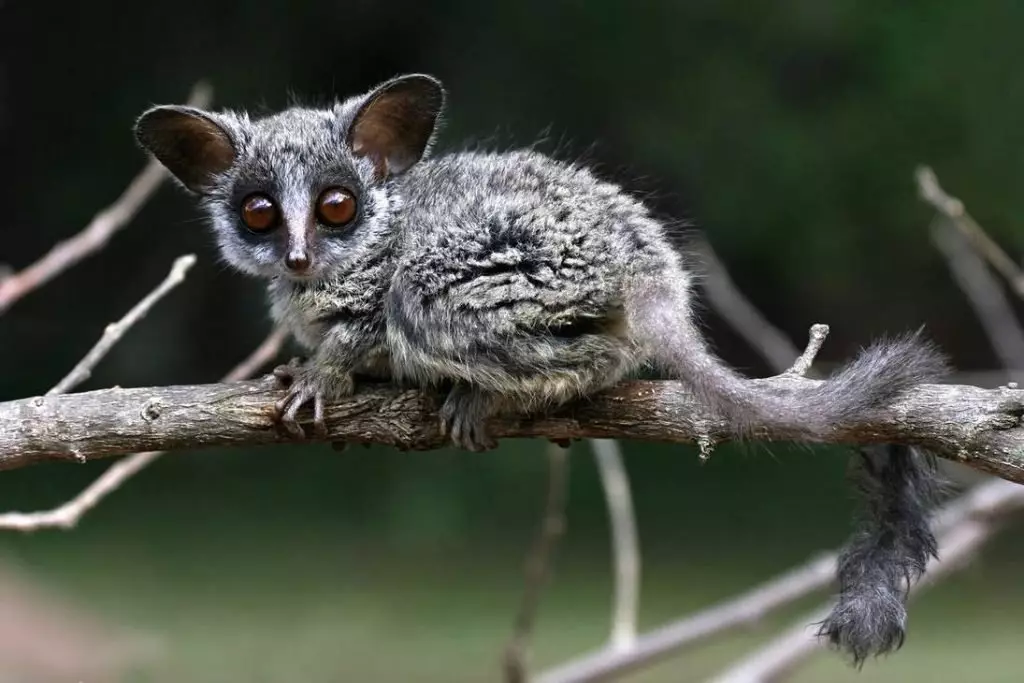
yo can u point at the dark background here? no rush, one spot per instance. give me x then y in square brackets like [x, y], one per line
[786, 132]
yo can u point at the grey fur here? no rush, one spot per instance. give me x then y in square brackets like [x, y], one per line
[522, 281]
[889, 551]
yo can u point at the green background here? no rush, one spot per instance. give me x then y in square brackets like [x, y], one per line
[786, 132]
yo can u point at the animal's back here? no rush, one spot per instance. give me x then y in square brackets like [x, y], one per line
[512, 270]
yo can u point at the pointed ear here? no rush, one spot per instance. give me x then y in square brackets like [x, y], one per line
[396, 121]
[189, 142]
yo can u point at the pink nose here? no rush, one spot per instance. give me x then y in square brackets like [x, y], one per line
[298, 261]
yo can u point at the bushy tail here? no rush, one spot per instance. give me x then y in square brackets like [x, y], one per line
[887, 553]
[660, 322]
[894, 543]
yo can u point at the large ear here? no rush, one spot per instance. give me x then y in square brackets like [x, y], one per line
[189, 142]
[396, 121]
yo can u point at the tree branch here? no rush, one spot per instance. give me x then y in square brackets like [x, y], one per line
[963, 528]
[964, 525]
[983, 291]
[113, 332]
[979, 427]
[102, 227]
[625, 541]
[729, 302]
[988, 502]
[538, 564]
[953, 209]
[67, 515]
[745, 609]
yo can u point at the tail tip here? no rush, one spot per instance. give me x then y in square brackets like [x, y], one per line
[866, 628]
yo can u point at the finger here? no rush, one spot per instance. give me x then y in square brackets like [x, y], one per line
[281, 407]
[319, 426]
[289, 421]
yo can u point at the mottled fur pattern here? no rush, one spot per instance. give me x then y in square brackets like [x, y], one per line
[522, 281]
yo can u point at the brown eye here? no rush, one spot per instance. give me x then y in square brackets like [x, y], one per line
[259, 213]
[336, 207]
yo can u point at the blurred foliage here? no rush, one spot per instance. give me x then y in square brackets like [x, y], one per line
[787, 132]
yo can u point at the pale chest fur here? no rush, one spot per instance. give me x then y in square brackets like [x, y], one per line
[354, 301]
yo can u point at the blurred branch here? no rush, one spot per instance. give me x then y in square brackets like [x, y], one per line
[963, 527]
[986, 503]
[743, 610]
[978, 427]
[730, 303]
[66, 516]
[984, 293]
[113, 332]
[538, 564]
[625, 541]
[102, 227]
[953, 209]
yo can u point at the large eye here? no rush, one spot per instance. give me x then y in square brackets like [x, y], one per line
[259, 213]
[335, 207]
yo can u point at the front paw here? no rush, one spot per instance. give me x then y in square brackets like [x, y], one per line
[309, 384]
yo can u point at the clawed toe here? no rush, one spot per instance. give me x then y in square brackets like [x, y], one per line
[463, 420]
[286, 409]
[319, 425]
[472, 436]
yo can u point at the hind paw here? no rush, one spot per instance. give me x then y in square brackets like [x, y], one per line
[464, 419]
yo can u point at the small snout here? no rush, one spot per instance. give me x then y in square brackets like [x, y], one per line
[298, 261]
[298, 255]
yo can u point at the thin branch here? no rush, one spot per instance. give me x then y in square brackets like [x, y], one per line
[113, 332]
[984, 292]
[625, 541]
[742, 611]
[538, 564]
[784, 654]
[67, 515]
[730, 303]
[951, 207]
[261, 355]
[989, 501]
[802, 365]
[102, 227]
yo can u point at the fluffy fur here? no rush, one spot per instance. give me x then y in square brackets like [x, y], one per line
[521, 281]
[887, 553]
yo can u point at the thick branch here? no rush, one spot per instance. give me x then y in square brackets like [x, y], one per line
[978, 427]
